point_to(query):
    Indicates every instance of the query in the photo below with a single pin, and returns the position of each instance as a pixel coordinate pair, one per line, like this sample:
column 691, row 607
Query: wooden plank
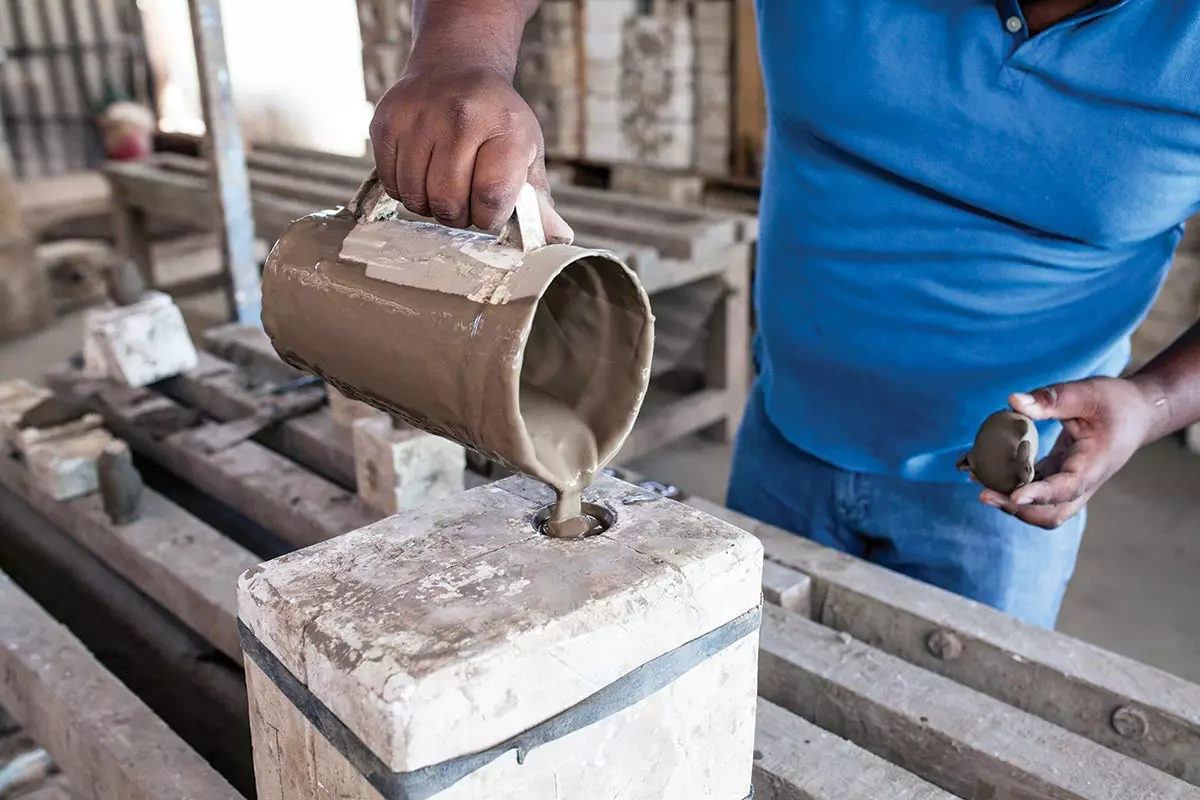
column 1070, row 683
column 729, row 364
column 957, row 738
column 685, row 242
column 55, row 788
column 250, row 348
column 306, row 154
column 309, row 166
column 672, row 273
column 667, row 417
column 185, row 566
column 796, row 760
column 185, row 196
column 678, row 231
column 315, row 440
column 98, row 731
column 627, row 204
column 50, row 202
column 288, row 500
column 750, row 92
column 318, row 194
column 226, row 153
column 180, row 198
column 25, row 304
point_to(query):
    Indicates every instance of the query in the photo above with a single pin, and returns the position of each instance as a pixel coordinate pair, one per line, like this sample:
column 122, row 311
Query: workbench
column 872, row 686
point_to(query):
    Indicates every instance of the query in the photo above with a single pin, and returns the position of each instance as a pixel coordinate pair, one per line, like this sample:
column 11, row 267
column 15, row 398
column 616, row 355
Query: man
column 962, row 201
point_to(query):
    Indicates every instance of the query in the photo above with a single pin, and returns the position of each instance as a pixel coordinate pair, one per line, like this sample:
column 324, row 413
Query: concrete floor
column 1136, row 589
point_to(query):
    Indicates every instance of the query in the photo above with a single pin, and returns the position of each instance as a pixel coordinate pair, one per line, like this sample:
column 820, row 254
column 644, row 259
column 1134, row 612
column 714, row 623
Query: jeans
column 938, row 533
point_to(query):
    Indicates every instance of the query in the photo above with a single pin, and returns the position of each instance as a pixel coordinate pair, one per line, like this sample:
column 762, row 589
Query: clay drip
column 573, row 359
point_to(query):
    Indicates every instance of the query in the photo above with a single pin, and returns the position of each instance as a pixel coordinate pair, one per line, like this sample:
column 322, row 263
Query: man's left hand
column 1105, row 421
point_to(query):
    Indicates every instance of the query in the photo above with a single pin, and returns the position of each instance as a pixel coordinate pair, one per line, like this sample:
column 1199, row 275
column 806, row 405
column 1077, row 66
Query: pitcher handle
column 524, row 229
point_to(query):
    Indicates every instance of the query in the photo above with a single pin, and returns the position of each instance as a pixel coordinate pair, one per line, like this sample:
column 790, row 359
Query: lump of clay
column 1004, row 452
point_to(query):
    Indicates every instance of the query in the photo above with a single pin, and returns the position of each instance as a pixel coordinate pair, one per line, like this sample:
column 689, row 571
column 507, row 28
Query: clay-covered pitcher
column 463, row 334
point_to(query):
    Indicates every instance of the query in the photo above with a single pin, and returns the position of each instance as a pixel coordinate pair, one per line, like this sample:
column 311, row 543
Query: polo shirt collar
column 1013, row 18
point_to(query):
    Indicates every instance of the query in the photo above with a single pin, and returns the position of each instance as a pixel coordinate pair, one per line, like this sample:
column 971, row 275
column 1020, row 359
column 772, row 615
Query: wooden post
column 751, row 104
column 24, row 291
column 453, row 651
column 226, row 153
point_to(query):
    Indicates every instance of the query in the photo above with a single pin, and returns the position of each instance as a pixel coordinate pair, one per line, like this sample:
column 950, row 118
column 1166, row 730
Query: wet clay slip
column 1004, row 452
column 534, row 355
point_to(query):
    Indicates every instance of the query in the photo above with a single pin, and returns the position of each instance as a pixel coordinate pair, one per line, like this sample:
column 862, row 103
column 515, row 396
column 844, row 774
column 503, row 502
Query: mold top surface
column 453, row 627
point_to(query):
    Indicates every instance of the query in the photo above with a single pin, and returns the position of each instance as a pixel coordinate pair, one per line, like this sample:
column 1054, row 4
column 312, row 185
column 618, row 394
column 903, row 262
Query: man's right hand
column 457, row 145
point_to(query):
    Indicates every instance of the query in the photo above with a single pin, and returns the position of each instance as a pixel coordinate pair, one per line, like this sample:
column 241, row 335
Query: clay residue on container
column 547, row 380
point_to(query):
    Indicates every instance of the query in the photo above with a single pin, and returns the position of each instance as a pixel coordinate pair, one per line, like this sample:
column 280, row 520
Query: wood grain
column 98, row 731
column 966, row 742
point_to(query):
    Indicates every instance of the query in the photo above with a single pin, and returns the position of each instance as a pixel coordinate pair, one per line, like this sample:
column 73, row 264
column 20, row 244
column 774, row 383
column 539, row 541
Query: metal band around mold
column 424, row 783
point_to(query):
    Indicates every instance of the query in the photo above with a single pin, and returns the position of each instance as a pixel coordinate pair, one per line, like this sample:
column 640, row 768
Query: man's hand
column 1105, row 421
column 458, row 144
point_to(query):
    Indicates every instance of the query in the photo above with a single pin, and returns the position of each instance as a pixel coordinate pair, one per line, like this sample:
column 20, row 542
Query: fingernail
column 1025, row 399
column 1025, row 501
column 993, row 502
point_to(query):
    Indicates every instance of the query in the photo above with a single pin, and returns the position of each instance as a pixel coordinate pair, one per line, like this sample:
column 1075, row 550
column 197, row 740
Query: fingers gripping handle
column 524, row 230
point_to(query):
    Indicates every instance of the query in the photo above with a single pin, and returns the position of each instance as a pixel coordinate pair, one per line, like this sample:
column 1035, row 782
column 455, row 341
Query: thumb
column 557, row 229
column 1062, row 401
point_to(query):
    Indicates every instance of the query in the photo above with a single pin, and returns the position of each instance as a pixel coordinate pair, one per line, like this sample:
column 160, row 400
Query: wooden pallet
column 689, row 259
column 872, row 685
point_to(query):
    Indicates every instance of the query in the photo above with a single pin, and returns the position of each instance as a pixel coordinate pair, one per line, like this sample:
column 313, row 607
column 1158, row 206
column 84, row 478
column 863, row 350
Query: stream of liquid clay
column 567, row 448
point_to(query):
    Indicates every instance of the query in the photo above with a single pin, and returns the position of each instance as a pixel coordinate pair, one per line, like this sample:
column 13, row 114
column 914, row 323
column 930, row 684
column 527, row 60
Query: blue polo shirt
column 954, row 211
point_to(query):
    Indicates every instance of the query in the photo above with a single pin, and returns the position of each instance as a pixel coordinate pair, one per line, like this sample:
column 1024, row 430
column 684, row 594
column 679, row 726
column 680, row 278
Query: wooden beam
column 1075, row 685
column 226, row 154
column 796, row 760
column 182, row 678
column 315, row 440
column 99, row 732
column 182, row 564
column 681, row 232
column 729, row 346
column 249, row 348
column 286, row 499
column 667, row 417
column 750, row 94
column 961, row 740
column 25, row 304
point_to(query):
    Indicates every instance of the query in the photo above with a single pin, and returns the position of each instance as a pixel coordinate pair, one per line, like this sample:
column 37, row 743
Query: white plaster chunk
column 396, row 470
column 16, row 398
column 139, row 344
column 25, row 440
column 455, row 626
column 67, row 468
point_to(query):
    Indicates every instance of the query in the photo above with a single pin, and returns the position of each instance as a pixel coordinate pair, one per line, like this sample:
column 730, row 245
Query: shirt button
column 1013, row 24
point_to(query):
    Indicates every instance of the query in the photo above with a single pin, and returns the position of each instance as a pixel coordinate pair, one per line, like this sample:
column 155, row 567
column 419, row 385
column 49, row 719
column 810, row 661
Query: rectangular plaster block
column 17, row 397
column 139, row 344
column 397, row 469
column 456, row 628
column 67, row 468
